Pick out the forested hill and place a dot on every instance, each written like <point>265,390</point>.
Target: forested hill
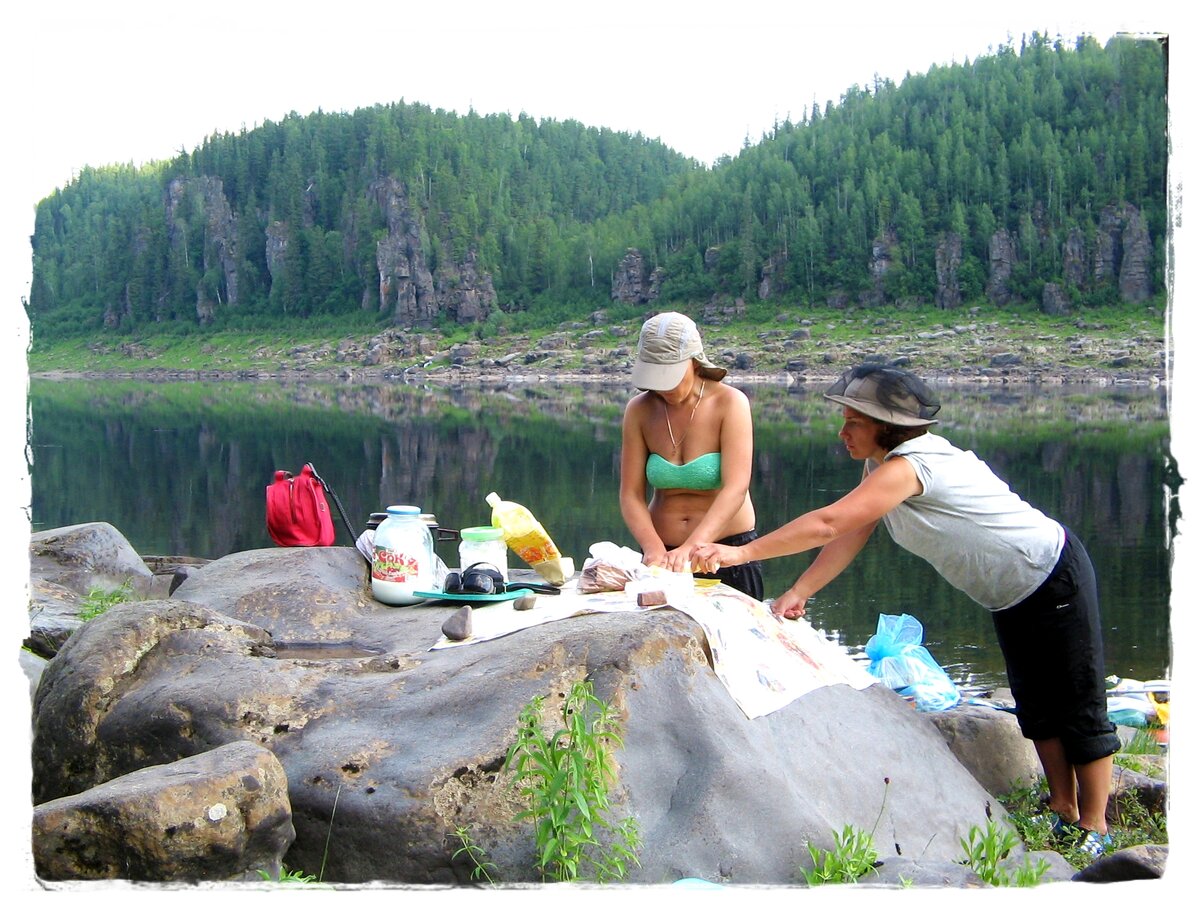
<point>1035,175</point>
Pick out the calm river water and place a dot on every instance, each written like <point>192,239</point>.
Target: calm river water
<point>181,469</point>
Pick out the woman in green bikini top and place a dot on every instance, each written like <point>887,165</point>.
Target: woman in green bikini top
<point>686,451</point>
<point>700,475</point>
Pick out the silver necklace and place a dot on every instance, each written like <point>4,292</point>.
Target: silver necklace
<point>666,415</point>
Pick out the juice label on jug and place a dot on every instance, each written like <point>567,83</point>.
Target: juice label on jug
<point>534,548</point>
<point>393,566</point>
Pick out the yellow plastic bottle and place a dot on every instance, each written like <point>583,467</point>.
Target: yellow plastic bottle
<point>527,538</point>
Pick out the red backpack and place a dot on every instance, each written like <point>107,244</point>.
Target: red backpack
<point>297,512</point>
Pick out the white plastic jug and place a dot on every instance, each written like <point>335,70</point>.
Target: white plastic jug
<point>403,561</point>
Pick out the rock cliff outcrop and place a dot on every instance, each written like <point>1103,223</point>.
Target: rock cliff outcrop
<point>412,290</point>
<point>948,259</point>
<point>632,283</point>
<point>409,290</point>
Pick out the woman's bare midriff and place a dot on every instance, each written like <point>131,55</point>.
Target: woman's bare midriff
<point>676,512</point>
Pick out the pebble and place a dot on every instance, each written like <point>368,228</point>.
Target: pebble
<point>458,625</point>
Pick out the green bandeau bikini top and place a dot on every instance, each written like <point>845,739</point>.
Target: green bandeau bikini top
<point>700,475</point>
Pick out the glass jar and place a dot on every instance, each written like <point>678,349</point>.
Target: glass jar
<point>403,561</point>
<point>483,544</point>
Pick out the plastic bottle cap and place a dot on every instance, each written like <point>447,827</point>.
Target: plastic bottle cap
<point>481,534</point>
<point>404,510</point>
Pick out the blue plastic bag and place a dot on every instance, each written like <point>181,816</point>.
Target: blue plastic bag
<point>900,661</point>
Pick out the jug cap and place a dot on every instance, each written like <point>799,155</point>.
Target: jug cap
<point>403,510</point>
<point>481,534</point>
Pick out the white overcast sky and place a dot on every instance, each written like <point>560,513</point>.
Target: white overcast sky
<point>93,83</point>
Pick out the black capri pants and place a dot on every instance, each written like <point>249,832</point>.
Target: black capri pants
<point>1054,653</point>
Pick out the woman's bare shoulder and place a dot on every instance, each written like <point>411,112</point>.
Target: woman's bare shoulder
<point>639,405</point>
<point>731,396</point>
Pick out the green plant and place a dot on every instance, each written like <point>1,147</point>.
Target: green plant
<point>1131,824</point>
<point>985,850</point>
<point>99,600</point>
<point>1134,824</point>
<point>853,855</point>
<point>1140,753</point>
<point>1144,742</point>
<point>288,876</point>
<point>566,779</point>
<point>481,868</point>
<point>299,876</point>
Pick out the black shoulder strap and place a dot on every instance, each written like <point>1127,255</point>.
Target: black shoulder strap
<point>337,501</point>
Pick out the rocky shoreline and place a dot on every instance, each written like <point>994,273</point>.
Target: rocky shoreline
<point>483,373</point>
<point>998,350</point>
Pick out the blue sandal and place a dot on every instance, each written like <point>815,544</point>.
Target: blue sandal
<point>1094,844</point>
<point>1059,829</point>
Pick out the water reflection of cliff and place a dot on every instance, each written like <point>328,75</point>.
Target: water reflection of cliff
<point>198,454</point>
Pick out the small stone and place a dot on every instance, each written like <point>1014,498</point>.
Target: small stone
<point>525,603</point>
<point>651,597</point>
<point>458,625</point>
<point>179,575</point>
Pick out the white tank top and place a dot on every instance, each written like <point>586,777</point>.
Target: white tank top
<point>975,531</point>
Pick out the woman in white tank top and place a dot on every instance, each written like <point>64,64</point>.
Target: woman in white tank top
<point>946,506</point>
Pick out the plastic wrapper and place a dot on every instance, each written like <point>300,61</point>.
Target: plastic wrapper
<point>900,661</point>
<point>602,576</point>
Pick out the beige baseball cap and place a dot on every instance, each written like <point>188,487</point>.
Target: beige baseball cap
<point>668,343</point>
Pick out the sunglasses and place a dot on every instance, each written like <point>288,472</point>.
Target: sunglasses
<point>480,578</point>
<point>483,579</point>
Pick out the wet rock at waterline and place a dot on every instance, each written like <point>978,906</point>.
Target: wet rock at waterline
<point>287,649</point>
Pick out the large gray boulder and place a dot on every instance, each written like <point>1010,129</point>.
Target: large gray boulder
<point>989,743</point>
<point>54,615</point>
<point>222,815</point>
<point>32,666</point>
<point>88,555</point>
<point>389,746</point>
<point>67,563</point>
<point>1141,862</point>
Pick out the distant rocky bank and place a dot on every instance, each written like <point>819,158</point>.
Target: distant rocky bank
<point>806,351</point>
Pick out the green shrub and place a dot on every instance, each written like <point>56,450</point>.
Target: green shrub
<point>566,778</point>
<point>853,856</point>
<point>99,600</point>
<point>986,849</point>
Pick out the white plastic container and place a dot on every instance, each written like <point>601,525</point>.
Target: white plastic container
<point>403,561</point>
<point>483,544</point>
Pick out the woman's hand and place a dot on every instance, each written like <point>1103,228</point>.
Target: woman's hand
<point>654,557</point>
<point>679,560</point>
<point>790,605</point>
<point>712,556</point>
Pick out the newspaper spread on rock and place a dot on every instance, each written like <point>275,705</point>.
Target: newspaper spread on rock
<point>764,662</point>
